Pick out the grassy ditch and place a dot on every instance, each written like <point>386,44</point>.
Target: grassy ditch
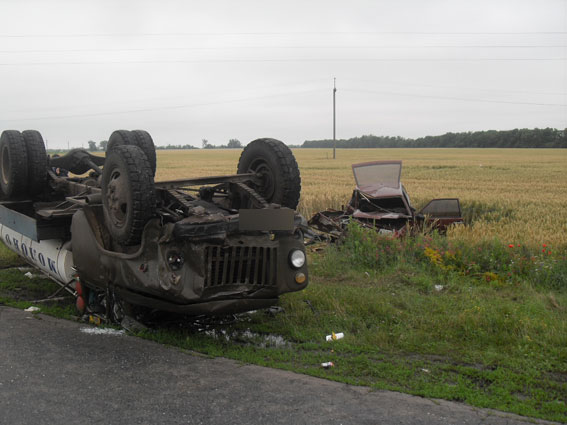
<point>483,324</point>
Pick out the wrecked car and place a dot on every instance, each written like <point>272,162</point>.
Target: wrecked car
<point>380,201</point>
<point>103,228</point>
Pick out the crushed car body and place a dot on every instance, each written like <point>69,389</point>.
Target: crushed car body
<point>102,225</point>
<point>380,201</point>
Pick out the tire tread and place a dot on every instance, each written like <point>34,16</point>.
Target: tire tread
<point>37,161</point>
<point>18,178</point>
<point>291,178</point>
<point>142,190</point>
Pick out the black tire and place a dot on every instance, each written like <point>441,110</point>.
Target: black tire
<point>13,164</point>
<point>145,142</point>
<point>119,138</point>
<point>128,193</point>
<point>37,161</point>
<point>139,138</point>
<point>278,167</point>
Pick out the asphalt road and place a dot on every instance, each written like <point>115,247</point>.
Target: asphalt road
<point>52,372</point>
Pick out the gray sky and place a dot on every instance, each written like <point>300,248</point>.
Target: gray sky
<point>188,70</point>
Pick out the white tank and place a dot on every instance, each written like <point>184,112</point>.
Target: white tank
<point>47,255</point>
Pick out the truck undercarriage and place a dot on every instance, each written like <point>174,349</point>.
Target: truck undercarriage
<point>208,245</point>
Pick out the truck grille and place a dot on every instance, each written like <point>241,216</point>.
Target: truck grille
<point>233,265</point>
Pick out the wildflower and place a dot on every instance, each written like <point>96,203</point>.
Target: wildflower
<point>548,252</point>
<point>511,245</point>
<point>544,245</point>
<point>519,245</point>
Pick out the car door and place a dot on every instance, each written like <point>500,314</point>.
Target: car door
<point>440,213</point>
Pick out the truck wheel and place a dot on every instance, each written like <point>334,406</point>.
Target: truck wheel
<point>14,164</point>
<point>128,193</point>
<point>37,161</point>
<point>274,161</point>
<point>139,138</point>
<point>144,141</point>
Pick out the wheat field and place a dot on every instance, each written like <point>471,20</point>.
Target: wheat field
<point>516,195</point>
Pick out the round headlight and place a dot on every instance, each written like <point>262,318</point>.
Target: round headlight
<point>297,258</point>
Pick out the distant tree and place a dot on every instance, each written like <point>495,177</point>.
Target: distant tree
<point>103,144</point>
<point>206,144</point>
<point>92,146</point>
<point>234,143</point>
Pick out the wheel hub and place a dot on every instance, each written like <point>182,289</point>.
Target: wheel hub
<point>262,169</point>
<point>117,199</point>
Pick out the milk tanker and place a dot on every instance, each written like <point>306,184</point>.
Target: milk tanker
<point>50,256</point>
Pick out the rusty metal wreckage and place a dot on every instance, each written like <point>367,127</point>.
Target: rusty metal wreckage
<point>124,244</point>
<point>380,201</point>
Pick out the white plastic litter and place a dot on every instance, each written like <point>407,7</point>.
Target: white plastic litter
<point>438,288</point>
<point>327,365</point>
<point>335,336</point>
<point>102,331</point>
<point>32,309</point>
<point>28,275</point>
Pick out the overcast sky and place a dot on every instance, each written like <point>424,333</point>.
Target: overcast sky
<point>189,70</point>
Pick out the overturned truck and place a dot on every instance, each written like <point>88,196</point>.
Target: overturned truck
<point>104,228</point>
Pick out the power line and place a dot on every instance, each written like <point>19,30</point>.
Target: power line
<point>293,60</point>
<point>214,48</point>
<point>445,86</point>
<point>463,99</point>
<point>162,108</point>
<point>138,101</point>
<point>278,33</point>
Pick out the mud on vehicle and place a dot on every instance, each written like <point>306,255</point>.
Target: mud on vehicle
<point>103,225</point>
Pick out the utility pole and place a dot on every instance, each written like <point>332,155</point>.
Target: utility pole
<point>334,118</point>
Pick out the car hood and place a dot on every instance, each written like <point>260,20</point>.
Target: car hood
<point>378,179</point>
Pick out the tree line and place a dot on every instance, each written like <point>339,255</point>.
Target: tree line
<point>232,144</point>
<point>517,138</point>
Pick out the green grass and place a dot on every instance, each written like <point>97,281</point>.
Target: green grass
<point>494,336</point>
<point>17,290</point>
<point>9,258</point>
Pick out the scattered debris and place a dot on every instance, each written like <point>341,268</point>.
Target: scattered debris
<point>102,331</point>
<point>95,320</point>
<point>327,365</point>
<point>132,325</point>
<point>32,309</point>
<point>315,312</point>
<point>247,337</point>
<point>28,275</point>
<point>24,268</point>
<point>335,336</point>
<point>44,300</point>
<point>439,287</point>
<point>425,370</point>
<point>273,310</point>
